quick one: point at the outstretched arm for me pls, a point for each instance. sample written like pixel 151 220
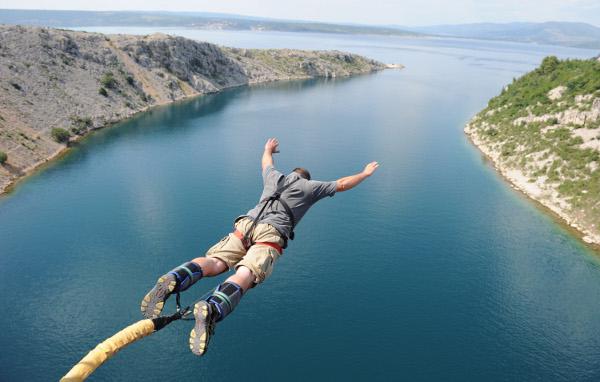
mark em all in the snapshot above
pixel 270 149
pixel 348 182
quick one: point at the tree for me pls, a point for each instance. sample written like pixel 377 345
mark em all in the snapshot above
pixel 3 157
pixel 60 135
pixel 549 64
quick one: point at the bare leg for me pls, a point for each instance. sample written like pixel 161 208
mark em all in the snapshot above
pixel 243 277
pixel 210 265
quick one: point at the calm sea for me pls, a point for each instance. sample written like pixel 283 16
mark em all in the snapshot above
pixel 432 270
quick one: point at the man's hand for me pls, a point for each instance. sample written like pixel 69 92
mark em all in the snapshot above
pixel 348 182
pixel 272 145
pixel 370 168
pixel 270 148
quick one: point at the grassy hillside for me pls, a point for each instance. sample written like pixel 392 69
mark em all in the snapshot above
pixel 546 126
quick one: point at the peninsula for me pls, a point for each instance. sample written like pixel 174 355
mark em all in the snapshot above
pixel 58 85
pixel 543 134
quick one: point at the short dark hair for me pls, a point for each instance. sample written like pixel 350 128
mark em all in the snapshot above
pixel 303 172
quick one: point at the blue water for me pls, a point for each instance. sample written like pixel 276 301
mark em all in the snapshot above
pixel 432 270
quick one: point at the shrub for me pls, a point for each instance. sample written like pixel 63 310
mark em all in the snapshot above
pixel 103 92
pixel 145 97
pixel 491 132
pixel 108 80
pixel 60 135
pixel 3 157
pixel 549 64
pixel 508 149
pixel 130 80
pixel 80 124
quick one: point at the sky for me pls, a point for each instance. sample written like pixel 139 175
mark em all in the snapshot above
pixel 377 12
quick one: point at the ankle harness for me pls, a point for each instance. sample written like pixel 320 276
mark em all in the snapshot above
pixel 186 275
pixel 225 299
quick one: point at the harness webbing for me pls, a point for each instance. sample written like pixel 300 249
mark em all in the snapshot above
pixel 269 202
pixel 224 297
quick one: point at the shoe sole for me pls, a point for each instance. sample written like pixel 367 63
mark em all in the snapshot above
pixel 153 303
pixel 199 335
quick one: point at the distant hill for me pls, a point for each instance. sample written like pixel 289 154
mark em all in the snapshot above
pixel 199 20
pixel 579 35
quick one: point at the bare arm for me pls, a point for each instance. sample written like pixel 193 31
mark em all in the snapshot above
pixel 270 149
pixel 348 182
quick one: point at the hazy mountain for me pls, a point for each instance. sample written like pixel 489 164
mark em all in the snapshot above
pixel 182 20
pixel 554 33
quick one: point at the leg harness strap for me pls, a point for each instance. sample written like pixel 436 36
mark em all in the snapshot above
pixel 225 299
pixel 186 275
pixel 248 244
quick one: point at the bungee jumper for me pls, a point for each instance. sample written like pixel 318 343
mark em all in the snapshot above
pixel 258 240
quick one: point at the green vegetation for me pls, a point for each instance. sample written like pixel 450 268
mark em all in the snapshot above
pixel 580 78
pixel 130 80
pixel 103 92
pixel 80 124
pixel 531 132
pixel 108 81
pixel 60 135
pixel 3 157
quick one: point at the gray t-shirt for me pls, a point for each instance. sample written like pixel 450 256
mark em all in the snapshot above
pixel 300 196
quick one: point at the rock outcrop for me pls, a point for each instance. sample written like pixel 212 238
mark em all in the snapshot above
pixel 77 81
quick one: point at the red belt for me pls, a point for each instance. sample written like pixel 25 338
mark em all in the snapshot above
pixel 276 246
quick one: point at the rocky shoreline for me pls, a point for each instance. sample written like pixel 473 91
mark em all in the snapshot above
pixel 519 181
pixel 58 81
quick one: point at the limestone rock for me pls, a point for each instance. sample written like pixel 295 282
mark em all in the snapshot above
pixel 79 81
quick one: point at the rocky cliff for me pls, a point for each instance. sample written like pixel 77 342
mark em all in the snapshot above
pixel 543 134
pixel 57 81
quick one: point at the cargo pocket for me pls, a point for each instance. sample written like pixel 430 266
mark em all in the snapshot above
pixel 268 265
pixel 217 246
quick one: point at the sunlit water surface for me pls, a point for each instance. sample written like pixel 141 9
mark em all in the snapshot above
pixel 434 269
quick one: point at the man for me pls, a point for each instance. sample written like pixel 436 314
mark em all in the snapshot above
pixel 252 249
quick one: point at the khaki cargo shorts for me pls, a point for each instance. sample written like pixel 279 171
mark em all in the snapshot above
pixel 259 258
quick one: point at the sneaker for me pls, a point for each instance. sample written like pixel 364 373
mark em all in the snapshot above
pixel 154 301
pixel 203 329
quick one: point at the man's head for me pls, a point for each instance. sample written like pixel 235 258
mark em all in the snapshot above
pixel 302 172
